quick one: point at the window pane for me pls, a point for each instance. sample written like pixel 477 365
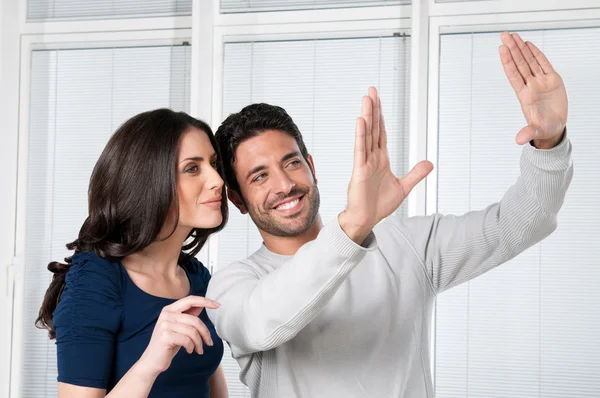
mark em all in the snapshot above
pixel 528 328
pixel 320 83
pixel 78 99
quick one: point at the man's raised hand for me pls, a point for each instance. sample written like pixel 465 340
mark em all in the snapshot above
pixel 374 191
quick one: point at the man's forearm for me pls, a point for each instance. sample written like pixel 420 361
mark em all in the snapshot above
pixel 260 313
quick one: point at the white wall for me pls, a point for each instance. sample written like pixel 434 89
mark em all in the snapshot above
pixel 9 89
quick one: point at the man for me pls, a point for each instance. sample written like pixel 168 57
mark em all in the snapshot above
pixel 344 310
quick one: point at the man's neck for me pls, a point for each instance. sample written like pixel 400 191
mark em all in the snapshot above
pixel 288 246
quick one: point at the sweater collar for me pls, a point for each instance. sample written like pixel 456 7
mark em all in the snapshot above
pixel 269 255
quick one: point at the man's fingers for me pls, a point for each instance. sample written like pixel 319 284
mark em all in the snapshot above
pixel 188 302
pixel 510 69
pixel 534 66
pixel 360 156
pixel 416 175
pixel 367 115
pixel 541 58
pixel 517 56
pixel 376 116
pixel 382 131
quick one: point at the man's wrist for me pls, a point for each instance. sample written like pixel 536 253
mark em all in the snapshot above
pixel 357 233
pixel 549 143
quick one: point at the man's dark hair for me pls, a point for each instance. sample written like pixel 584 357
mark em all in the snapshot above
pixel 250 122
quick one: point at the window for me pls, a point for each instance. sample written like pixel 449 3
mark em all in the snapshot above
pixel 79 98
pixel 320 83
pixel 528 328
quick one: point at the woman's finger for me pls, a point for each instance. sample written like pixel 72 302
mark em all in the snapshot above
pixel 188 302
pixel 190 332
pixel 178 339
pixel 196 323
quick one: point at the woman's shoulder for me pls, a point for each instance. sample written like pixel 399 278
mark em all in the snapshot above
pixel 198 274
pixel 91 297
pixel 88 267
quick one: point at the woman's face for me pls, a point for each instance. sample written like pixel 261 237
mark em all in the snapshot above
pixel 199 185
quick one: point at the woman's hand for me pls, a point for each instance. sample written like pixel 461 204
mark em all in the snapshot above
pixel 178 326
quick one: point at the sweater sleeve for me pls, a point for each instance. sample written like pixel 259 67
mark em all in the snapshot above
pixel 258 314
pixel 455 249
pixel 86 321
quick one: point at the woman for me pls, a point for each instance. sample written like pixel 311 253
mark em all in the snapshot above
pixel 132 294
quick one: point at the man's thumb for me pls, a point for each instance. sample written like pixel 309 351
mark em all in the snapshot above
pixel 418 173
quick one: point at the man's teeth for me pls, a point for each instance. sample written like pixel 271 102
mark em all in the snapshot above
pixel 289 205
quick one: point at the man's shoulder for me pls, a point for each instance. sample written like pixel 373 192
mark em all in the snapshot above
pixel 247 266
pixel 234 275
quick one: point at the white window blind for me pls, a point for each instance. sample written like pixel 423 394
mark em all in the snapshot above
pixel 78 99
pixel 320 83
pixel 530 327
pixel 230 6
pixel 460 1
pixel 43 10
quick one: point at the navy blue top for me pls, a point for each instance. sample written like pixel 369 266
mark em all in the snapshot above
pixel 104 322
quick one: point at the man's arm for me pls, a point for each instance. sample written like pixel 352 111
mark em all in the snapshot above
pixel 260 314
pixel 455 249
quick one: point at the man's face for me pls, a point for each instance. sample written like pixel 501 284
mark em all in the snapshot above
pixel 277 184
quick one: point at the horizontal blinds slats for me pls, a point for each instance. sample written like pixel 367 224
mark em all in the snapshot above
pixel 320 84
pixel 460 1
pixel 78 99
pixel 41 10
pixel 228 6
pixel 529 327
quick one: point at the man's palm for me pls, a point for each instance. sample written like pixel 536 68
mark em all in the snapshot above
pixel 539 88
pixel 374 191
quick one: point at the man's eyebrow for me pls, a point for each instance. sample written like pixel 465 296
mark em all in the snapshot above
pixel 263 167
pixel 255 170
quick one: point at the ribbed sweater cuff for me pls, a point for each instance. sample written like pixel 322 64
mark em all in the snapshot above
pixel 554 159
pixel 346 246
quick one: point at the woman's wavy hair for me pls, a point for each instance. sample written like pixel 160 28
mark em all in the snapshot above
pixel 132 188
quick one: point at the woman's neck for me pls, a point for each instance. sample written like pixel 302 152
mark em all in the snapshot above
pixel 160 257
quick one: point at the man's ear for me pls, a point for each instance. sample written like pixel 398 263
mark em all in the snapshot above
pixel 237 201
pixel 311 164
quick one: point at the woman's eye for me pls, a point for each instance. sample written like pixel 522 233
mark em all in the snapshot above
pixel 214 165
pixel 191 169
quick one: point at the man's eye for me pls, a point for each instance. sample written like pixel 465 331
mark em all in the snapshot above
pixel 259 177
